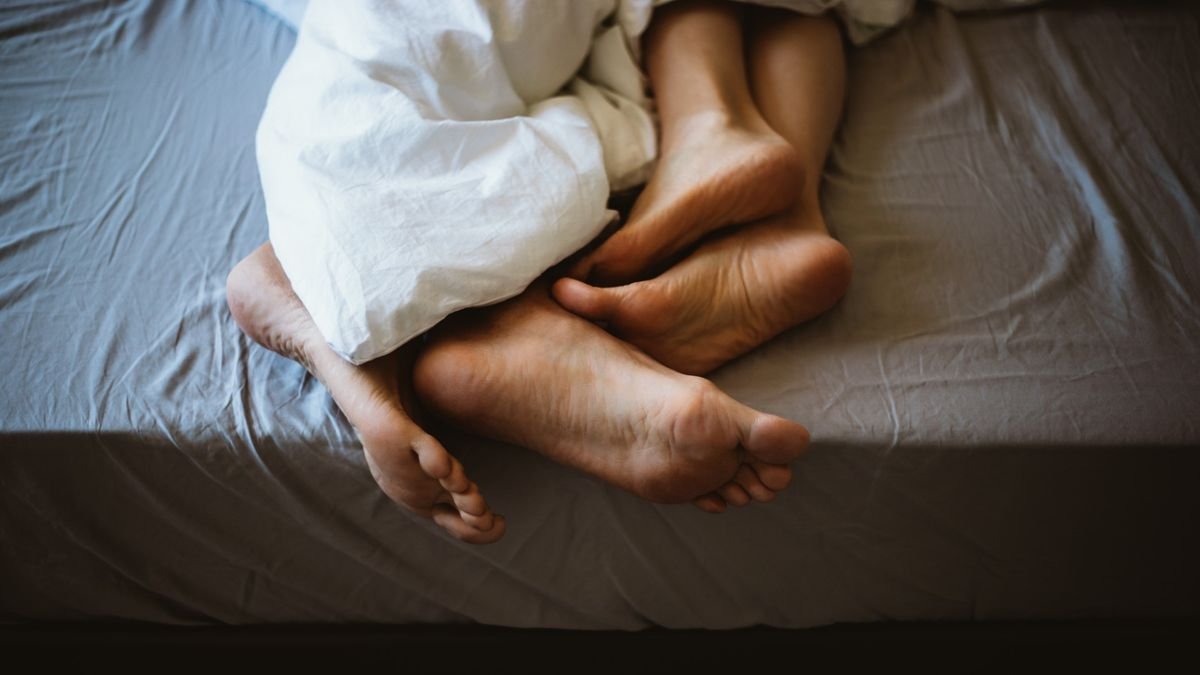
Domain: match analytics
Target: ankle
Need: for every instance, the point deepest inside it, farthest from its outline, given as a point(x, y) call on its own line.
point(706, 123)
point(317, 357)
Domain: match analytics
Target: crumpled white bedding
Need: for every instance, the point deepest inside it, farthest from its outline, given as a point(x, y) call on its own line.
point(419, 158)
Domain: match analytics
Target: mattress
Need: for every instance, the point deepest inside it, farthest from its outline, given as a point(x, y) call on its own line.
point(1005, 408)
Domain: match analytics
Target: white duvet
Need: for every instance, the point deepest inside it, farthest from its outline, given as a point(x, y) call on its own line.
point(419, 157)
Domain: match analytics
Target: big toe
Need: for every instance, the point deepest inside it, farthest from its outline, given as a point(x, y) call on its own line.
point(775, 440)
point(587, 301)
point(619, 260)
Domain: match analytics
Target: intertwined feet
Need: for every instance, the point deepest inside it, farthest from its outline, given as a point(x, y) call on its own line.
point(410, 466)
point(529, 373)
point(775, 267)
point(731, 295)
point(629, 412)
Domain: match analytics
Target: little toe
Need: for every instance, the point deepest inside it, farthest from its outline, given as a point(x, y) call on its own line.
point(733, 494)
point(482, 523)
point(752, 484)
point(710, 503)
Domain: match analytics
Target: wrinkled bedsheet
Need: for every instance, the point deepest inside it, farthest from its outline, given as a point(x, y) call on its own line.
point(1004, 408)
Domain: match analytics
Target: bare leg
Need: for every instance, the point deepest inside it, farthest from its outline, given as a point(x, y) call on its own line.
point(721, 163)
point(530, 373)
point(410, 465)
point(798, 74)
point(741, 289)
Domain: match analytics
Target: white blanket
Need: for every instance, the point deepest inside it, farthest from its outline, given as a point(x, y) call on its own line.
point(418, 158)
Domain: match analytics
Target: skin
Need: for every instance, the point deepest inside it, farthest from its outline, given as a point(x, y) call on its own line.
point(532, 374)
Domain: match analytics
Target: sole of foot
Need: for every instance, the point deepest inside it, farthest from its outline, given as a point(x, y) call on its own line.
point(529, 373)
point(729, 296)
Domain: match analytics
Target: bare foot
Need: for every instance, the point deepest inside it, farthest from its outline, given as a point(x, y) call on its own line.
point(529, 373)
point(410, 466)
point(718, 174)
point(731, 295)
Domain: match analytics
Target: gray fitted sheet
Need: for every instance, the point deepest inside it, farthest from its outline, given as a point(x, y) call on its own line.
point(1004, 408)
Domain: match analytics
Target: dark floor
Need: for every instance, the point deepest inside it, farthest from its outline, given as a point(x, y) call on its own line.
point(1135, 644)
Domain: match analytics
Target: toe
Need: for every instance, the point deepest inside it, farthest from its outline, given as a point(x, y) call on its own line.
point(435, 461)
point(775, 440)
point(775, 476)
point(482, 523)
point(451, 521)
point(710, 503)
point(589, 302)
point(752, 484)
point(470, 501)
point(456, 481)
point(733, 494)
point(441, 465)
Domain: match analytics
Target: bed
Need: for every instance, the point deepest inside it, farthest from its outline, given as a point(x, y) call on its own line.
point(1005, 408)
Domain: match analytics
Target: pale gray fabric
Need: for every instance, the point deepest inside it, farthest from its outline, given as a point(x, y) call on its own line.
point(1003, 408)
